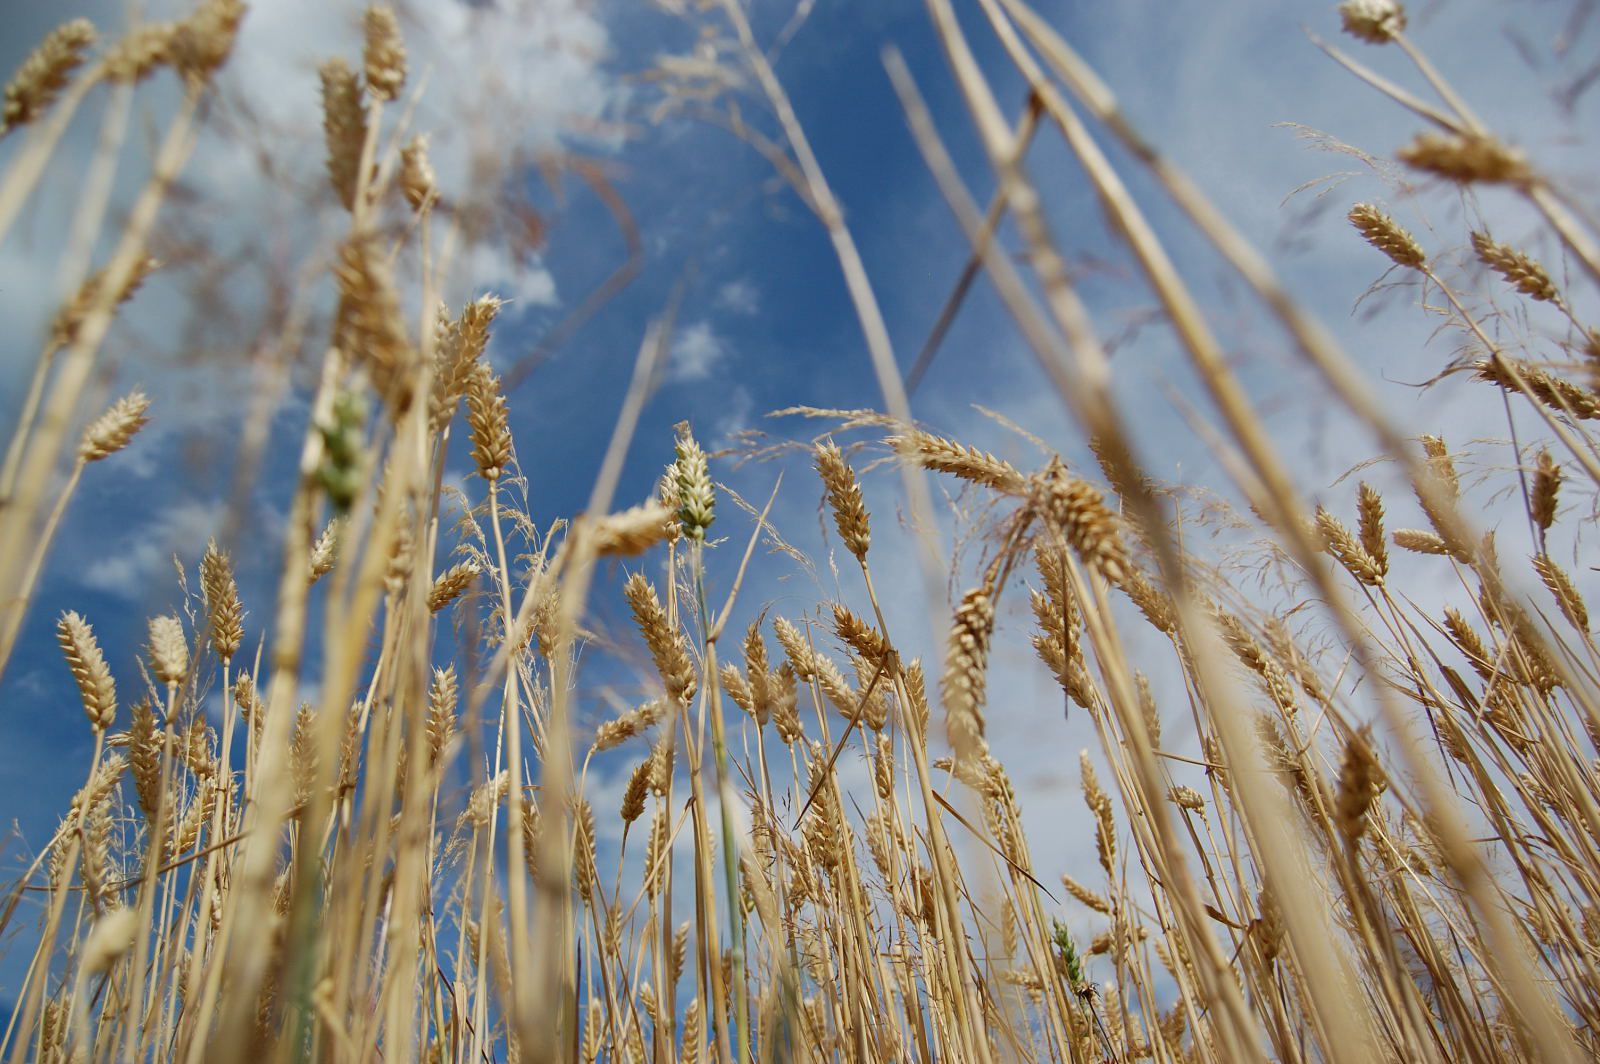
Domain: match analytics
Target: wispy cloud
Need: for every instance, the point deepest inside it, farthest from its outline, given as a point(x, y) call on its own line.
point(697, 351)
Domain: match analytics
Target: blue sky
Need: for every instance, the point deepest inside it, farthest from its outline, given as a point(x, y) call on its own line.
point(765, 322)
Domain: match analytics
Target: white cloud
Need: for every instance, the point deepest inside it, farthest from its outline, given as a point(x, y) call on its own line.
point(739, 297)
point(697, 350)
point(130, 572)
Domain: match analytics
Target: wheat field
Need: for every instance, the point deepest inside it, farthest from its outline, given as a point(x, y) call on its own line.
point(1350, 812)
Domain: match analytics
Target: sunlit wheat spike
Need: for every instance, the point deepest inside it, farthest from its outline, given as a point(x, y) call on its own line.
point(169, 650)
point(1373, 21)
point(1340, 542)
point(140, 53)
point(344, 127)
point(418, 183)
point(968, 463)
point(1467, 159)
point(488, 422)
point(1078, 512)
point(1517, 269)
point(70, 318)
point(1419, 541)
point(95, 685)
point(966, 673)
point(204, 40)
point(221, 591)
point(114, 429)
point(46, 71)
point(633, 531)
point(1565, 591)
point(1546, 490)
point(452, 584)
point(844, 496)
point(325, 551)
point(1360, 783)
point(384, 55)
point(1552, 391)
point(1387, 235)
point(667, 645)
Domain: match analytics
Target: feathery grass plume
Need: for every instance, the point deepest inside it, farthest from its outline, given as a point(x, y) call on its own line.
point(487, 422)
point(140, 53)
point(95, 685)
point(1360, 782)
point(1546, 490)
point(69, 319)
point(384, 55)
point(844, 495)
point(46, 71)
point(114, 429)
point(221, 593)
point(371, 326)
point(1099, 803)
point(966, 673)
point(1369, 511)
point(325, 551)
point(418, 183)
point(1342, 544)
point(633, 531)
point(169, 650)
point(1466, 159)
point(452, 584)
point(1518, 270)
point(1077, 510)
point(668, 648)
point(1554, 392)
point(697, 498)
point(968, 463)
point(204, 40)
point(1565, 591)
point(1419, 541)
point(1373, 21)
point(1388, 236)
point(344, 127)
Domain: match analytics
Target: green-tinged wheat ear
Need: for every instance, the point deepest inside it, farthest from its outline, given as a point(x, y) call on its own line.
point(385, 53)
point(46, 71)
point(697, 498)
point(89, 669)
